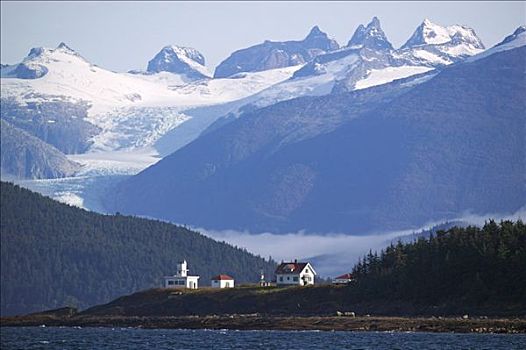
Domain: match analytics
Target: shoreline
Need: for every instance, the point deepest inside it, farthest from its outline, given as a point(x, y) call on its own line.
point(285, 323)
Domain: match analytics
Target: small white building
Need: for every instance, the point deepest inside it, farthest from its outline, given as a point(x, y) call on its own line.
point(222, 281)
point(181, 278)
point(295, 273)
point(343, 279)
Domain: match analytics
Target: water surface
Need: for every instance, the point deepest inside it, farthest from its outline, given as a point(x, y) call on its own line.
point(135, 338)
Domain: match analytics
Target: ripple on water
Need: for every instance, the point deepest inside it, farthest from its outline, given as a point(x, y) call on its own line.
point(135, 338)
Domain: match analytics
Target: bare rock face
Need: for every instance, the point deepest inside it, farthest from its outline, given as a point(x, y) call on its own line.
point(270, 55)
point(26, 156)
point(59, 123)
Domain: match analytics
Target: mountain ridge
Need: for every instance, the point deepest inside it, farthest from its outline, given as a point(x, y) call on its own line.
point(293, 180)
point(276, 54)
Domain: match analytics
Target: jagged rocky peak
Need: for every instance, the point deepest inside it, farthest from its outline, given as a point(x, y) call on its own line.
point(320, 40)
point(36, 64)
point(371, 36)
point(62, 46)
point(39, 51)
point(513, 36)
point(36, 51)
point(277, 54)
point(429, 33)
point(179, 60)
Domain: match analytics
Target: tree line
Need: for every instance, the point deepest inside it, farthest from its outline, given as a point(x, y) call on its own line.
point(459, 266)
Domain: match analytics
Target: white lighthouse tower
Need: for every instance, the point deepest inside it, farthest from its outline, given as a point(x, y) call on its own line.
point(182, 269)
point(181, 278)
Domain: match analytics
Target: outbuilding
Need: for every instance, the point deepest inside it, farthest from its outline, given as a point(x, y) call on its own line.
point(343, 279)
point(222, 281)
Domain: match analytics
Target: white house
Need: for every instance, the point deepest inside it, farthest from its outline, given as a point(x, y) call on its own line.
point(295, 273)
point(181, 279)
point(222, 281)
point(343, 279)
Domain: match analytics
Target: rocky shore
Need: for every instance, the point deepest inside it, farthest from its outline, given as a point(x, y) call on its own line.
point(325, 308)
point(68, 317)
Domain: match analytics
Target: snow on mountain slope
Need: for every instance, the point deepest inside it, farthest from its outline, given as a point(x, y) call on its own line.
point(133, 110)
point(517, 39)
point(433, 45)
point(180, 60)
point(69, 75)
point(369, 60)
point(319, 84)
point(386, 75)
point(434, 34)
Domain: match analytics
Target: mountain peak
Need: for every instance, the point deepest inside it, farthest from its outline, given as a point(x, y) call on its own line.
point(371, 37)
point(427, 22)
point(39, 51)
point(63, 46)
point(36, 51)
point(315, 31)
point(375, 23)
point(277, 54)
point(179, 60)
point(513, 36)
point(429, 33)
point(320, 40)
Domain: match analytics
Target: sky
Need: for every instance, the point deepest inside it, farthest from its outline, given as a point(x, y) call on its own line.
point(121, 36)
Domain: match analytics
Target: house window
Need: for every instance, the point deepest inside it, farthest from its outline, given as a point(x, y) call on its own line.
point(295, 279)
point(288, 278)
point(281, 279)
point(307, 270)
point(170, 283)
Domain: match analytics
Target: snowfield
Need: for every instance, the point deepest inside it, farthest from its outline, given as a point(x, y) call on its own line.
point(133, 110)
point(383, 76)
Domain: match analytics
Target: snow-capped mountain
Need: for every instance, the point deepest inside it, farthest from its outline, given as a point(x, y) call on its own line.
point(429, 33)
point(109, 121)
point(271, 54)
point(369, 60)
point(180, 60)
point(390, 157)
point(129, 110)
point(434, 45)
point(135, 110)
point(371, 37)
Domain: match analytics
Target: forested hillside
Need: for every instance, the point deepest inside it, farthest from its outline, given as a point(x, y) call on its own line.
point(467, 267)
point(53, 254)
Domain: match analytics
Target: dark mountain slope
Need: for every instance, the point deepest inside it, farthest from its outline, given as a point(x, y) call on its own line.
point(54, 255)
point(25, 156)
point(340, 163)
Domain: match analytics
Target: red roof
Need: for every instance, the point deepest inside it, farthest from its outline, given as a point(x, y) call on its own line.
point(290, 268)
point(346, 276)
point(222, 278)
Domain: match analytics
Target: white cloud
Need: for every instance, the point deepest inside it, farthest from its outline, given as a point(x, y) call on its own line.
point(332, 253)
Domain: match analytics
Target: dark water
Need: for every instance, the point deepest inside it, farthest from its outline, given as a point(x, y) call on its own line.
point(133, 338)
